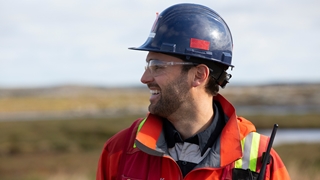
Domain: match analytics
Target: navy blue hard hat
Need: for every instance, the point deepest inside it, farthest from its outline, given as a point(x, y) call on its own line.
point(191, 30)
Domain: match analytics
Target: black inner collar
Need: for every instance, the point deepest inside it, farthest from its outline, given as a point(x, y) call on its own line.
point(204, 139)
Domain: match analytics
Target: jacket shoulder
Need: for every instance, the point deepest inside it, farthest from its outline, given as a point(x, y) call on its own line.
point(123, 138)
point(245, 127)
point(276, 169)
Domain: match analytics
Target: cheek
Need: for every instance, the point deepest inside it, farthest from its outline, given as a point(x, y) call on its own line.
point(163, 79)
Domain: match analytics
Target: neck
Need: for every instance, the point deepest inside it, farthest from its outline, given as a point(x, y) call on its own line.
point(193, 118)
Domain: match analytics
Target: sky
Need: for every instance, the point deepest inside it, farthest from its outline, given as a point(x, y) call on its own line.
point(85, 42)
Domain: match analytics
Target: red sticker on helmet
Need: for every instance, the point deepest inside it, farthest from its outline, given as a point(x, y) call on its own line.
point(199, 44)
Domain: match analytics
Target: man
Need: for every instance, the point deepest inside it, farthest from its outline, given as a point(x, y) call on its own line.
point(191, 132)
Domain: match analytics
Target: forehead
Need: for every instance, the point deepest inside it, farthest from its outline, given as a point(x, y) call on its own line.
point(162, 57)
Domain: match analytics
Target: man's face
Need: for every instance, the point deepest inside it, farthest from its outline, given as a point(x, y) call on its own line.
point(169, 87)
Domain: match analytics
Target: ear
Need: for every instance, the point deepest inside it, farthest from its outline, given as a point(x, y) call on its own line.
point(201, 75)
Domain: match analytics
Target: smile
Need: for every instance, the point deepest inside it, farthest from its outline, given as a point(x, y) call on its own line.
point(155, 92)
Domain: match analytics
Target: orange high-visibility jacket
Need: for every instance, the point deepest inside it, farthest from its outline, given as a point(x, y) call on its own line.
point(139, 153)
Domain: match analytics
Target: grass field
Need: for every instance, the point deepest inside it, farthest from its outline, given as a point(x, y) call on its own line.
point(36, 144)
point(56, 149)
point(69, 149)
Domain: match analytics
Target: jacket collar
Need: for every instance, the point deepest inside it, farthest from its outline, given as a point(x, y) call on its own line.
point(150, 137)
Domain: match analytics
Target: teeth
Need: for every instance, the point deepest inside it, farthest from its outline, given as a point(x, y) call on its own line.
point(154, 92)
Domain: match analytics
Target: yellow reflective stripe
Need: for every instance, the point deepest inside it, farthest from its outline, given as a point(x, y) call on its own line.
point(139, 128)
point(141, 124)
point(238, 163)
point(254, 151)
point(246, 151)
point(250, 148)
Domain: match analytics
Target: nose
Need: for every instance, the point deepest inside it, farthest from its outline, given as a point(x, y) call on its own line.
point(146, 77)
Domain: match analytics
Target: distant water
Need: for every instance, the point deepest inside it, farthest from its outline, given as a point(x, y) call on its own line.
point(278, 109)
point(285, 136)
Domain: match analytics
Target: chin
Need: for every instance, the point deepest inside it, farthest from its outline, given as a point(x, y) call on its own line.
point(152, 110)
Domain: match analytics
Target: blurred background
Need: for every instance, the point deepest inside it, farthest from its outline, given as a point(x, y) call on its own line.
point(68, 81)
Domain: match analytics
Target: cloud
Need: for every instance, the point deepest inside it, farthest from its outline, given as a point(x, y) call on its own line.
point(56, 42)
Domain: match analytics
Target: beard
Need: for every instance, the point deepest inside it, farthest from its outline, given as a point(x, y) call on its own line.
point(172, 96)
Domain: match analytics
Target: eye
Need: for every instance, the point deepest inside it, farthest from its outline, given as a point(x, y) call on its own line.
point(156, 65)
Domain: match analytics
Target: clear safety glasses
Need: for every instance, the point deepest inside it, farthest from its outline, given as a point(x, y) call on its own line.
point(157, 67)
